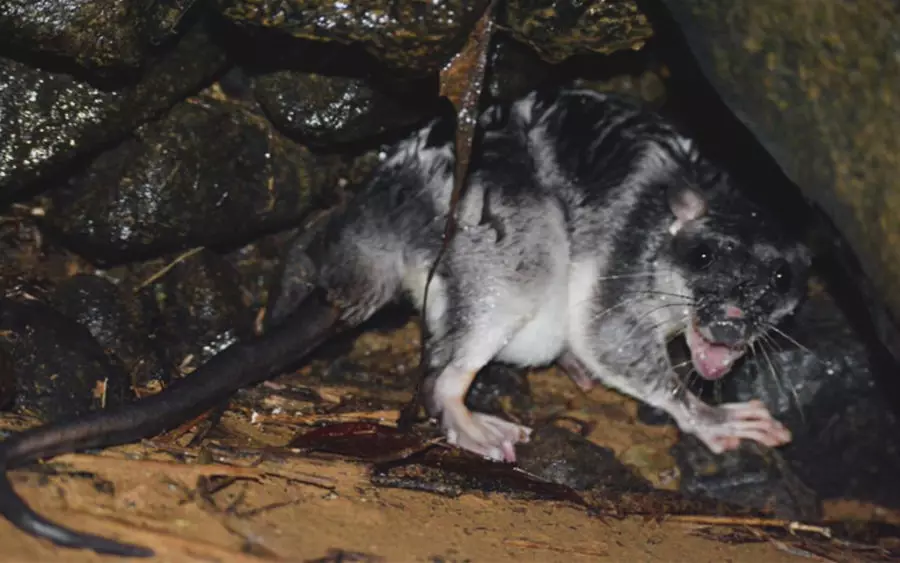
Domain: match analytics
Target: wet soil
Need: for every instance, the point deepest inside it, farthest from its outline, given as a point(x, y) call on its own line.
point(307, 506)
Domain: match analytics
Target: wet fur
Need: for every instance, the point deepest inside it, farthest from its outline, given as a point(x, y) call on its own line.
point(574, 239)
point(576, 228)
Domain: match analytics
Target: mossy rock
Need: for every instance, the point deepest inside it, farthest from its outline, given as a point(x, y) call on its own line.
point(416, 36)
point(557, 30)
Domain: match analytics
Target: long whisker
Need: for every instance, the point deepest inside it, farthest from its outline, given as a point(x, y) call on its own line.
point(638, 321)
point(692, 377)
point(761, 351)
point(611, 308)
point(773, 344)
point(778, 380)
point(630, 275)
point(793, 341)
point(647, 327)
point(635, 299)
point(649, 293)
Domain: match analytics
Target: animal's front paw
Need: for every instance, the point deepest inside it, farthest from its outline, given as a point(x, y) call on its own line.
point(722, 428)
point(483, 434)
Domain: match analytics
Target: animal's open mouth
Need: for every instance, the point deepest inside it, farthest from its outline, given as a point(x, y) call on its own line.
point(711, 360)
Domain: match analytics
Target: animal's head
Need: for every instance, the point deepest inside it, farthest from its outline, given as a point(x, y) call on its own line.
point(743, 274)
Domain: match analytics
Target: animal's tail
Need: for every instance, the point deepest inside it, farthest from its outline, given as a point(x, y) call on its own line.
point(239, 365)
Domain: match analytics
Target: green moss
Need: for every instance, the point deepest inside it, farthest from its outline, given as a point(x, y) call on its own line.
point(558, 30)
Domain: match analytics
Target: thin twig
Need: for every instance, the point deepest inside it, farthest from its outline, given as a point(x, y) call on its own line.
point(165, 269)
point(386, 417)
point(753, 522)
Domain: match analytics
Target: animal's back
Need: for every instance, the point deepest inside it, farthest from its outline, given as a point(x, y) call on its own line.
point(364, 254)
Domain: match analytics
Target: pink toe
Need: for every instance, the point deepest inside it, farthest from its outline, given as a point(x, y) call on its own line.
point(509, 452)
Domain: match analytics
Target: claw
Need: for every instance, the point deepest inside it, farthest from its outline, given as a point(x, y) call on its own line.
point(722, 428)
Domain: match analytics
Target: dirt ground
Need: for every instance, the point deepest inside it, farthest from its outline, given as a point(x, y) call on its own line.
point(396, 525)
point(309, 507)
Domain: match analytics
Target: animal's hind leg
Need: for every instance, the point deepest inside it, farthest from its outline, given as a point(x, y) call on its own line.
point(452, 370)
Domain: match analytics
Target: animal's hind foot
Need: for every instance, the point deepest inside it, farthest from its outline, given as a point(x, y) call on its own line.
point(483, 434)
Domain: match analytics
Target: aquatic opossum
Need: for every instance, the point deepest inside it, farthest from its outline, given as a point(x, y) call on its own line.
point(590, 232)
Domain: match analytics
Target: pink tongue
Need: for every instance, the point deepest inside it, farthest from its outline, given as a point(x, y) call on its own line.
point(711, 360)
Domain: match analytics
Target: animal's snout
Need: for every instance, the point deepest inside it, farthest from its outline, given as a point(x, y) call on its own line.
point(733, 312)
point(728, 332)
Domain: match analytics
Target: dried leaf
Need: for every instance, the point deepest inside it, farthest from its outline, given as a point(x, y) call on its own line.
point(473, 472)
point(362, 440)
point(462, 81)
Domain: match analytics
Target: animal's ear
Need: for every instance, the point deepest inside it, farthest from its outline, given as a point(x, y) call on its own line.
point(686, 203)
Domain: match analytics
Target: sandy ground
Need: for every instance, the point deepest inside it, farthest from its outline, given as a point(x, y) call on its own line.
point(310, 508)
point(149, 508)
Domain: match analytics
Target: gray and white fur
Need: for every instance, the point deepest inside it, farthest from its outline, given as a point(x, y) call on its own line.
point(590, 233)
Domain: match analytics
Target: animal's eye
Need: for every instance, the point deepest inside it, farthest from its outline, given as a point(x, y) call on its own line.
point(700, 256)
point(781, 276)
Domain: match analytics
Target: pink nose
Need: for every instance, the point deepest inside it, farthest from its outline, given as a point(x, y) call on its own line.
point(733, 312)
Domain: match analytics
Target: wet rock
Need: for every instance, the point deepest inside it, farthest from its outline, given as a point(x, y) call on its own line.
point(201, 309)
point(115, 318)
point(48, 119)
point(360, 169)
point(166, 18)
point(20, 242)
point(321, 111)
point(7, 379)
point(417, 37)
point(208, 173)
point(749, 477)
point(563, 457)
point(453, 471)
point(821, 381)
point(257, 264)
point(558, 29)
point(93, 33)
point(237, 86)
point(60, 370)
point(513, 69)
point(817, 89)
